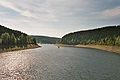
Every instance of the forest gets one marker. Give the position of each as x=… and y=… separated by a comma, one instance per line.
x=109, y=35
x=45, y=39
x=12, y=38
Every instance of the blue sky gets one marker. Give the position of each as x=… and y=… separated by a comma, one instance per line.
x=58, y=17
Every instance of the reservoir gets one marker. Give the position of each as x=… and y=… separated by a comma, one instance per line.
x=65, y=63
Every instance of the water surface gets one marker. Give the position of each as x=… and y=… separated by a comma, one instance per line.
x=66, y=63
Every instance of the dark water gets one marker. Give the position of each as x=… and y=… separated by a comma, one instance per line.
x=52, y=63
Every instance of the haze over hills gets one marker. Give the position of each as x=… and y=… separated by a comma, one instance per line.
x=45, y=39
x=109, y=35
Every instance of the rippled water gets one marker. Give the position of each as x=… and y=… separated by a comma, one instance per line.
x=52, y=63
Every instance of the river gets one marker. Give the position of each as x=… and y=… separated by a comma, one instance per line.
x=65, y=63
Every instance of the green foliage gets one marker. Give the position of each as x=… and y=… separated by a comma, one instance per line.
x=34, y=41
x=10, y=38
x=29, y=40
x=117, y=42
x=0, y=41
x=13, y=40
x=46, y=39
x=5, y=38
x=102, y=36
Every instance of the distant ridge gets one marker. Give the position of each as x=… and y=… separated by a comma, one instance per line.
x=45, y=39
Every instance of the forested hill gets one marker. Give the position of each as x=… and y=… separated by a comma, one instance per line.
x=46, y=39
x=4, y=29
x=109, y=35
x=11, y=38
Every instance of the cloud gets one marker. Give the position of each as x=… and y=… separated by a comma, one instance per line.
x=27, y=14
x=115, y=12
x=49, y=16
x=15, y=8
x=9, y=5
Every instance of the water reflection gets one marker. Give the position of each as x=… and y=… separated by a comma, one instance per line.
x=52, y=63
x=14, y=64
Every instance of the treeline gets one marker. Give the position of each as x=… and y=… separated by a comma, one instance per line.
x=10, y=38
x=109, y=35
x=46, y=39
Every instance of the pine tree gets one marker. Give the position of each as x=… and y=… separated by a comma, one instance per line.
x=13, y=40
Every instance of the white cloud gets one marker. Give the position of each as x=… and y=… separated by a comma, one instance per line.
x=115, y=12
x=48, y=16
x=47, y=10
x=12, y=6
x=27, y=14
x=9, y=5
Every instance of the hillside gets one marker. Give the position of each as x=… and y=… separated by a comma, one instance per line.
x=109, y=35
x=46, y=39
x=4, y=29
x=10, y=39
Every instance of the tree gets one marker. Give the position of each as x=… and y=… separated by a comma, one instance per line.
x=101, y=36
x=13, y=40
x=0, y=41
x=22, y=40
x=5, y=39
x=34, y=41
x=117, y=42
x=29, y=40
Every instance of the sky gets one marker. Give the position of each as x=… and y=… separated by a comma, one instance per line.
x=57, y=17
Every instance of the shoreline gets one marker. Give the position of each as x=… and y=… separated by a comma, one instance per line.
x=114, y=49
x=19, y=48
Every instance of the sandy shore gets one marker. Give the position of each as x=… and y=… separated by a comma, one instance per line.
x=19, y=48
x=115, y=49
